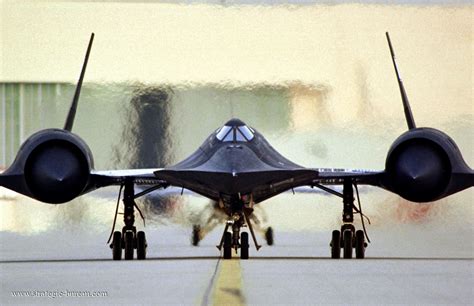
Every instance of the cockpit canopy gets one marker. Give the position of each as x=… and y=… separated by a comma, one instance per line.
x=235, y=131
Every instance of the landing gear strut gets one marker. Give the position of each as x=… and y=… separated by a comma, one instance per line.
x=235, y=239
x=348, y=238
x=128, y=239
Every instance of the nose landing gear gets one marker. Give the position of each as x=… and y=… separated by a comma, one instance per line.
x=235, y=239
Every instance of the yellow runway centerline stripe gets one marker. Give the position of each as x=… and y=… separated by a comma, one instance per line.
x=228, y=287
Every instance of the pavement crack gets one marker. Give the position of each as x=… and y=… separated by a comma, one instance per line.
x=210, y=285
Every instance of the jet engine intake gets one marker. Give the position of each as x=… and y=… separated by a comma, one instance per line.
x=419, y=167
x=56, y=166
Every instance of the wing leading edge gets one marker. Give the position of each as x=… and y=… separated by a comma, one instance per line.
x=262, y=184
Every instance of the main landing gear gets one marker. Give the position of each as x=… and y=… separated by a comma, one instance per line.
x=348, y=238
x=128, y=240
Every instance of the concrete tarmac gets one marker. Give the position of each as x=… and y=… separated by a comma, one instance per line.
x=60, y=267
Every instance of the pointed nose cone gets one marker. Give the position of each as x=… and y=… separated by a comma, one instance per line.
x=59, y=172
x=235, y=122
x=417, y=171
x=55, y=165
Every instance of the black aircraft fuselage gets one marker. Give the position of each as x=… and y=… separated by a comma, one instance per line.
x=235, y=162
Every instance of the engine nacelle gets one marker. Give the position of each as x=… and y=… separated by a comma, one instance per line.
x=420, y=164
x=54, y=166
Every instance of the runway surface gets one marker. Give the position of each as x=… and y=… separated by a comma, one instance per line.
x=295, y=271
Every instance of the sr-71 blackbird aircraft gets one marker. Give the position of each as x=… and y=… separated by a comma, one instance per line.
x=237, y=168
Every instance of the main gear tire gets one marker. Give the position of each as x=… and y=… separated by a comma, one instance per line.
x=129, y=245
x=347, y=243
x=117, y=246
x=336, y=244
x=360, y=244
x=141, y=245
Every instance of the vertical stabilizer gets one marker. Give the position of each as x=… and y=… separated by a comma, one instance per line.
x=72, y=111
x=406, y=104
